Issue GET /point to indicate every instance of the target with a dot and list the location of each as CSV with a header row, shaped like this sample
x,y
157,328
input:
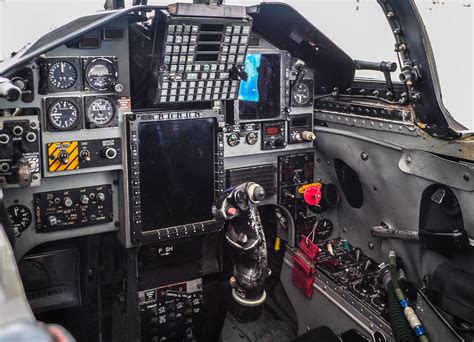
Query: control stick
x,y
245,235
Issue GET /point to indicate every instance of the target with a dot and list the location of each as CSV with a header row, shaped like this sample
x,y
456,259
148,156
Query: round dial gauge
x,y
251,138
301,95
233,139
101,74
101,111
62,75
20,217
63,115
324,229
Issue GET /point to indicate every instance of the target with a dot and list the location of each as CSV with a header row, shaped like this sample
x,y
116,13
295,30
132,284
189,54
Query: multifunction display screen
x,y
176,172
259,96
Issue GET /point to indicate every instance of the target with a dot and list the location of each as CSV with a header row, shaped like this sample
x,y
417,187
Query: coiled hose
x,y
408,312
401,329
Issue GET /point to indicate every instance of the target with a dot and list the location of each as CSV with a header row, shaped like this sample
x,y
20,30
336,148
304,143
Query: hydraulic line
x,y
408,311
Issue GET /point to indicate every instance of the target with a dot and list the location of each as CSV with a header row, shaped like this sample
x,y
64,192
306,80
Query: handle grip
x,y
8,90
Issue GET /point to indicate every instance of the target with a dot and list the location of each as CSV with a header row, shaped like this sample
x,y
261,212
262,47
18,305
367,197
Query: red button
x,y
313,195
231,211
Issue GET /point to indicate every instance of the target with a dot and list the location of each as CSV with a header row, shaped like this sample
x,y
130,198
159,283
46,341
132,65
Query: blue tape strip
x,y
419,330
404,303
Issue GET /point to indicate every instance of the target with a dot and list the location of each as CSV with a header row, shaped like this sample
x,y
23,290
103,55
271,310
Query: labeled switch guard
x,y
63,156
75,155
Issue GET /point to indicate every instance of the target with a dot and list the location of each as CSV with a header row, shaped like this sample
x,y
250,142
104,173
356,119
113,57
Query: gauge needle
x,y
62,68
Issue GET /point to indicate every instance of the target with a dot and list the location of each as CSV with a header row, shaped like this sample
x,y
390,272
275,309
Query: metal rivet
x,y
364,156
466,177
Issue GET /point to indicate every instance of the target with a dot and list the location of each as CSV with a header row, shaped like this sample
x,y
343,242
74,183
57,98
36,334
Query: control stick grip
x,y
8,90
246,239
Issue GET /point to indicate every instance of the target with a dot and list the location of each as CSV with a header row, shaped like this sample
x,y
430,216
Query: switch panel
x,y
19,151
75,155
172,312
73,208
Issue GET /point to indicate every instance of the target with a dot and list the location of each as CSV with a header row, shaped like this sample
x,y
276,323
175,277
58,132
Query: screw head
x,y
364,156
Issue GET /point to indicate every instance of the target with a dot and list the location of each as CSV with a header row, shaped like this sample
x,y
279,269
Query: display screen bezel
x,y
171,232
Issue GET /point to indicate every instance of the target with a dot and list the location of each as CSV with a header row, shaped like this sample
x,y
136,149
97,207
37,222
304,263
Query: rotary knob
x,y
308,136
84,199
67,201
100,197
279,142
296,136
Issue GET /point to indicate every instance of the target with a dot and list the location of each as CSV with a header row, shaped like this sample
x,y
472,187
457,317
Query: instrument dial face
x,y
251,138
233,139
301,95
20,216
101,74
63,115
101,112
324,229
62,75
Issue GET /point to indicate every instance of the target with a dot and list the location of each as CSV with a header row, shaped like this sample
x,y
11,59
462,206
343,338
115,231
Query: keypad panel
x,y
198,59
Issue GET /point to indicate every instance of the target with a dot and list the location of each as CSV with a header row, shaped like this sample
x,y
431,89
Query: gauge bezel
x,y
310,84
74,61
87,103
50,102
88,62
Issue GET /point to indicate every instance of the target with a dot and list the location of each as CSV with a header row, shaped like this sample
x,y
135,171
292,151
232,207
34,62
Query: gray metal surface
x,y
437,169
390,196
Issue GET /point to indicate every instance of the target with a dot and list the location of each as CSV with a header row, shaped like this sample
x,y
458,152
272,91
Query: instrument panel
x,y
232,95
